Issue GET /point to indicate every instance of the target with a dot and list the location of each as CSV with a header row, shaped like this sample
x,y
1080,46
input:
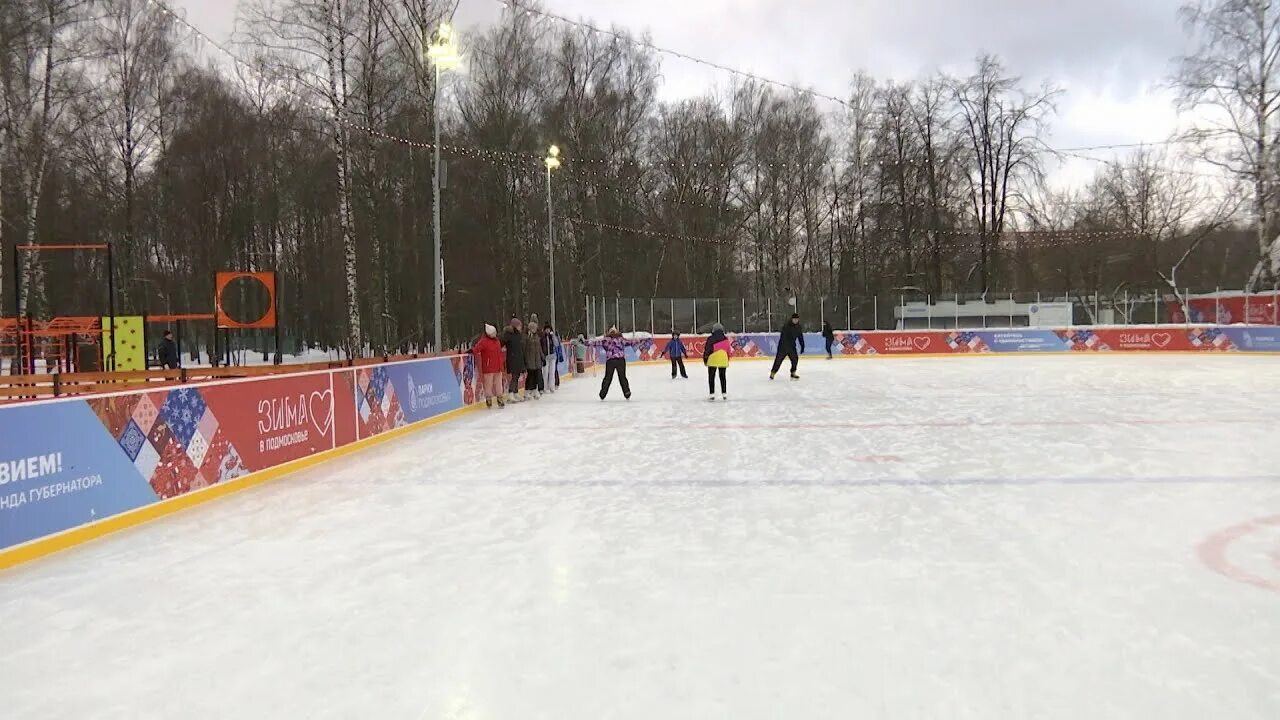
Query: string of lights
x,y
517,6
1016,239
535,159
649,233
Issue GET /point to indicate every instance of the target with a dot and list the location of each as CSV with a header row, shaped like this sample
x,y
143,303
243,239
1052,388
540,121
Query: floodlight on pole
x,y
552,162
443,55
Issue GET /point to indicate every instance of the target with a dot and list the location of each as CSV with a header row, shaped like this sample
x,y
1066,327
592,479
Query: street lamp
x,y
443,55
552,162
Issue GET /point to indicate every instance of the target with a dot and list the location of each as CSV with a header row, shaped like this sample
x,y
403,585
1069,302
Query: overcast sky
x,y
1112,57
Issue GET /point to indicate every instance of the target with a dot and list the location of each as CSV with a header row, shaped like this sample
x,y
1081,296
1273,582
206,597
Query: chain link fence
x,y
916,311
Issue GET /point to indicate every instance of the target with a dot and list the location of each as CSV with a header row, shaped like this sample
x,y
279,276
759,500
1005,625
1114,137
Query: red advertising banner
x,y
276,420
1230,310
1128,340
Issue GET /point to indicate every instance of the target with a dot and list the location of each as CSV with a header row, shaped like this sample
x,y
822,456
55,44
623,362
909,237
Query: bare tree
x,y
39,75
313,41
1002,124
1233,71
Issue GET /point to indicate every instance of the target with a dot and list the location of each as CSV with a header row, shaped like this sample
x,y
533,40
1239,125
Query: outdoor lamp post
x,y
443,55
552,162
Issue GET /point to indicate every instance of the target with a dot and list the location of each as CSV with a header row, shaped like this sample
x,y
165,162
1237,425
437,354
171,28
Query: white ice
x,y
938,538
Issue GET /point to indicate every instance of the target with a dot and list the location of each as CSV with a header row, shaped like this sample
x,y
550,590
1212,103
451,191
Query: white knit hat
x,y
490,330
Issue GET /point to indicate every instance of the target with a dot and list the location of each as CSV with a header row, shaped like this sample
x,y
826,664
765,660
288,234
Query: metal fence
x,y
919,311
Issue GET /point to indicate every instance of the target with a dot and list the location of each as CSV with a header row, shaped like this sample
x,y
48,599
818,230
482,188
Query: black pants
x,y
619,366
830,342
786,353
533,380
711,380
513,386
678,363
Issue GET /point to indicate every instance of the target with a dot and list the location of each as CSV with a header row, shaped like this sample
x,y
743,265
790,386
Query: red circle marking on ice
x,y
1213,553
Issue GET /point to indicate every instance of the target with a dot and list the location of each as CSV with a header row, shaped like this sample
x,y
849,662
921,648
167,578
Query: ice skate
x,y
488,403
501,402
772,375
795,376
725,397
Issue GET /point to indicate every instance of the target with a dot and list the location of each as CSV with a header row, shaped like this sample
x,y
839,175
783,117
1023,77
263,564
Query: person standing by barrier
x,y
677,352
513,341
168,352
559,344
715,355
488,354
580,354
615,361
549,342
828,337
792,334
534,360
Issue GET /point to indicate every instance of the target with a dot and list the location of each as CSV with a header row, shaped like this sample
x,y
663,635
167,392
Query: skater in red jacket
x,y
489,366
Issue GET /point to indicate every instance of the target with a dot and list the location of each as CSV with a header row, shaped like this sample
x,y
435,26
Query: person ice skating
x,y
677,352
715,355
615,361
792,334
168,352
549,342
513,341
828,336
533,362
488,353
580,354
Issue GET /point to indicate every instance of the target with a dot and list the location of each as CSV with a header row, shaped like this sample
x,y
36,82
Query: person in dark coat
x,y
513,341
792,334
534,361
168,352
828,336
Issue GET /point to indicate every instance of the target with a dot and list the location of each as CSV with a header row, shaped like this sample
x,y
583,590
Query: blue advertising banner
x,y
1254,339
60,468
1003,341
426,388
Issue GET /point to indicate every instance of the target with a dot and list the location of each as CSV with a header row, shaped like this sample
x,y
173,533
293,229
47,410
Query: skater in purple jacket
x,y
615,361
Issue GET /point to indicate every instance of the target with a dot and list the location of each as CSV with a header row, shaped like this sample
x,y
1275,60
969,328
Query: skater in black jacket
x,y
792,334
828,336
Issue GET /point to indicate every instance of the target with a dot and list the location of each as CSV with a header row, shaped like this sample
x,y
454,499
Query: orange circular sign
x,y
264,317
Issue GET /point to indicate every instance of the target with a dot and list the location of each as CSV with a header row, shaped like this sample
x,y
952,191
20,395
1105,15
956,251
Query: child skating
x,y
489,366
715,355
677,352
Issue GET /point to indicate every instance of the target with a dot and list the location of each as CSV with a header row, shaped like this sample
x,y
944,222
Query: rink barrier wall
x,y
1149,339
76,469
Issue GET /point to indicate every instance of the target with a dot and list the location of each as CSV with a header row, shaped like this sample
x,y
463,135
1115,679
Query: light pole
x,y
443,55
552,162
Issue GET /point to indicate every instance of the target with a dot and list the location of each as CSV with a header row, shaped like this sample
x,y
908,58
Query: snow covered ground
x,y
1003,537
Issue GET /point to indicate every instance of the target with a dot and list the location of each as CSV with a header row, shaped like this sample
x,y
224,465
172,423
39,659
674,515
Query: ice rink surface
x,y
1048,537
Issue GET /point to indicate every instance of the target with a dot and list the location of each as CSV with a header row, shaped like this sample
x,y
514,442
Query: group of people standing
x,y
528,354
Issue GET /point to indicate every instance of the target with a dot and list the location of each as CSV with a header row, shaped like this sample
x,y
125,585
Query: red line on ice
x,y
1213,553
